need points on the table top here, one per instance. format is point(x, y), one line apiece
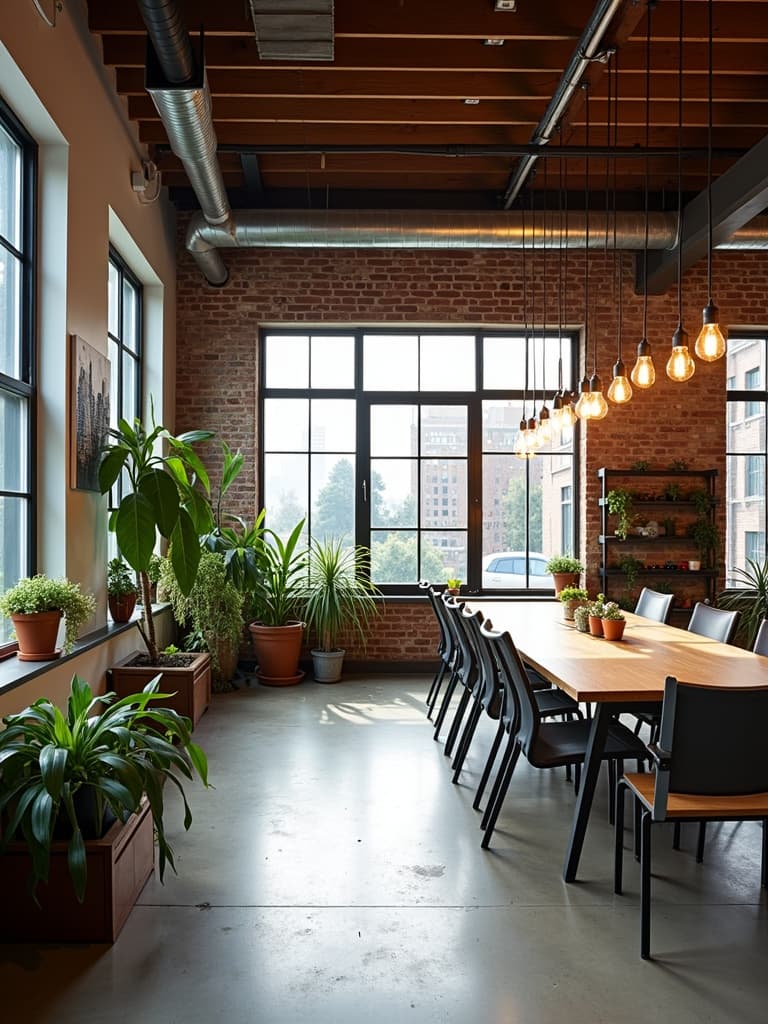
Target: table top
point(632, 669)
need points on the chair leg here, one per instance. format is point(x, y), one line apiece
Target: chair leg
point(453, 732)
point(576, 777)
point(434, 689)
point(488, 765)
point(700, 844)
point(486, 840)
point(676, 836)
point(445, 705)
point(637, 810)
point(505, 759)
point(645, 886)
point(618, 839)
point(466, 739)
point(764, 857)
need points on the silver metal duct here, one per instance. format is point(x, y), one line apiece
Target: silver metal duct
point(407, 229)
point(177, 84)
point(586, 51)
point(293, 29)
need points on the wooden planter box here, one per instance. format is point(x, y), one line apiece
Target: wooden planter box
point(191, 686)
point(118, 868)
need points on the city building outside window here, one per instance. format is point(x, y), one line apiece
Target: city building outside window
point(402, 441)
point(18, 165)
point(754, 546)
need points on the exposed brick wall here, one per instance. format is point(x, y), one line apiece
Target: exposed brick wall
point(217, 362)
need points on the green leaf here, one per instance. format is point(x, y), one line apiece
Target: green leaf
point(185, 551)
point(193, 436)
point(53, 763)
point(77, 864)
point(110, 467)
point(199, 509)
point(233, 464)
point(195, 464)
point(158, 488)
point(135, 528)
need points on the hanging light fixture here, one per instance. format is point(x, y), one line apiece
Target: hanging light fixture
point(680, 365)
point(522, 446)
point(568, 415)
point(710, 344)
point(598, 407)
point(544, 426)
point(643, 372)
point(619, 390)
point(584, 403)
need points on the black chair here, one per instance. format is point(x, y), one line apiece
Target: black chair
point(716, 623)
point(653, 605)
point(446, 648)
point(465, 672)
point(544, 744)
point(760, 645)
point(691, 784)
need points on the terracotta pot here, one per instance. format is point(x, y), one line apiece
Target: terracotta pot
point(37, 635)
point(277, 649)
point(121, 606)
point(565, 579)
point(613, 629)
point(595, 625)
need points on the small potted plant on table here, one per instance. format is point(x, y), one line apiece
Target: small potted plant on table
point(35, 606)
point(572, 598)
point(613, 621)
point(566, 571)
point(595, 609)
point(121, 590)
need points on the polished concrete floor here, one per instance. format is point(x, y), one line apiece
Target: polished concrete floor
point(335, 875)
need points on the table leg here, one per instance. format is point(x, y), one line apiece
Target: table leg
point(595, 746)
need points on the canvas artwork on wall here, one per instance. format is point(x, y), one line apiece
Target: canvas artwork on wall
point(90, 413)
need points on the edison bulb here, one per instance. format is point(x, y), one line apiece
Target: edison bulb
point(544, 428)
point(710, 344)
point(584, 401)
point(619, 390)
point(643, 372)
point(680, 365)
point(598, 404)
point(567, 416)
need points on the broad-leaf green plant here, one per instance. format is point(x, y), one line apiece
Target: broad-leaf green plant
point(750, 597)
point(280, 584)
point(165, 495)
point(120, 750)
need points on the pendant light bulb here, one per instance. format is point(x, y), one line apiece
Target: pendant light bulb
point(643, 372)
point(520, 448)
point(544, 429)
point(599, 406)
point(584, 402)
point(710, 344)
point(680, 365)
point(619, 390)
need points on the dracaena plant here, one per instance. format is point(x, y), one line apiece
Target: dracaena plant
point(119, 750)
point(165, 494)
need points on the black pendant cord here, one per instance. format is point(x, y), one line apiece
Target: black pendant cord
point(647, 166)
point(680, 171)
point(533, 291)
point(525, 309)
point(560, 298)
point(709, 152)
point(616, 255)
point(586, 229)
point(544, 306)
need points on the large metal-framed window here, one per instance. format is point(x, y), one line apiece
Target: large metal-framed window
point(124, 350)
point(18, 186)
point(746, 449)
point(401, 440)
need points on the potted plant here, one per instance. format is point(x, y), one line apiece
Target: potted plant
point(453, 586)
point(750, 597)
point(620, 504)
point(595, 610)
point(165, 497)
point(213, 609)
point(36, 604)
point(95, 774)
point(571, 598)
point(121, 590)
point(581, 618)
point(613, 621)
point(566, 571)
point(338, 597)
point(278, 589)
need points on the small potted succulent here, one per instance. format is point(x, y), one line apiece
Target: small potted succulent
point(613, 621)
point(121, 590)
point(581, 618)
point(35, 605)
point(596, 609)
point(571, 598)
point(453, 586)
point(566, 571)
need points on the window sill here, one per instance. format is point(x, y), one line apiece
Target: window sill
point(14, 673)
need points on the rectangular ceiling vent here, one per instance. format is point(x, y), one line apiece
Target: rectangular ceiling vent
point(293, 29)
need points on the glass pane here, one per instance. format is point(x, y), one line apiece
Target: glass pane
point(393, 492)
point(393, 429)
point(504, 363)
point(10, 189)
point(14, 530)
point(501, 422)
point(444, 556)
point(130, 333)
point(333, 425)
point(745, 433)
point(285, 491)
point(447, 363)
point(394, 557)
point(333, 362)
point(443, 493)
point(287, 362)
point(333, 496)
point(114, 405)
point(443, 430)
point(390, 362)
point(286, 424)
point(505, 511)
point(113, 300)
point(745, 515)
point(130, 387)
point(10, 327)
point(13, 443)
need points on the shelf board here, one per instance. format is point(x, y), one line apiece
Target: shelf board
point(603, 538)
point(705, 573)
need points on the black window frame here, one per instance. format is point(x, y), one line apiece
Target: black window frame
point(124, 273)
point(25, 386)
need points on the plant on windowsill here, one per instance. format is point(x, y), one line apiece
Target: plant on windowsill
point(565, 570)
point(36, 605)
point(750, 597)
point(453, 586)
point(72, 777)
point(571, 598)
point(620, 504)
point(121, 590)
point(613, 621)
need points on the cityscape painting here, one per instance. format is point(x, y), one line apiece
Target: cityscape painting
point(90, 413)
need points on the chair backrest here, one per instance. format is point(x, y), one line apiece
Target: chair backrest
point(467, 664)
point(488, 689)
point(445, 643)
point(715, 738)
point(760, 645)
point(521, 713)
point(716, 623)
point(653, 605)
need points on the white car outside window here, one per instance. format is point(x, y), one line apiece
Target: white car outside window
point(505, 570)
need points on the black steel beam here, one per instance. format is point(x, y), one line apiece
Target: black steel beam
point(252, 174)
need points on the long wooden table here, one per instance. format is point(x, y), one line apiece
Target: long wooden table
point(622, 676)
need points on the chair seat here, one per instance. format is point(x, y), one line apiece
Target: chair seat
point(561, 743)
point(555, 702)
point(691, 805)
